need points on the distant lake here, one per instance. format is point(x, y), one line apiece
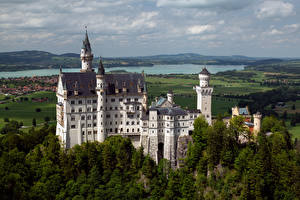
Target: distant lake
point(156, 69)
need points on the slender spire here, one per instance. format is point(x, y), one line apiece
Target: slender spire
point(60, 70)
point(86, 43)
point(101, 70)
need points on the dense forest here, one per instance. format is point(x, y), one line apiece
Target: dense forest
point(34, 166)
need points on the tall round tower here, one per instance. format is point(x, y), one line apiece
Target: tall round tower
point(100, 88)
point(204, 77)
point(204, 93)
point(257, 123)
point(86, 55)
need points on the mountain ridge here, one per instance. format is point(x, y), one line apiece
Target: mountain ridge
point(34, 59)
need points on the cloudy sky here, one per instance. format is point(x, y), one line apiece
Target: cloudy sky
point(150, 27)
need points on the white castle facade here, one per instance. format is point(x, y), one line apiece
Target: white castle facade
point(92, 106)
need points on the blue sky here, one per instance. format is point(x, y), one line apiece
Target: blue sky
point(150, 27)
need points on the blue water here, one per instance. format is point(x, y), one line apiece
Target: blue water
point(156, 69)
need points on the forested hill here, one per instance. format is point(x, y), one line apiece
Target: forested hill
point(34, 166)
point(24, 60)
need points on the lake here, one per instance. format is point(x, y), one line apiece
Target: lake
point(156, 69)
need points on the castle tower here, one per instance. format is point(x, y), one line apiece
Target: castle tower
point(100, 88)
point(86, 55)
point(204, 93)
point(145, 97)
point(257, 123)
point(170, 96)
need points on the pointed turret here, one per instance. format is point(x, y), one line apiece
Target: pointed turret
point(86, 43)
point(101, 70)
point(86, 55)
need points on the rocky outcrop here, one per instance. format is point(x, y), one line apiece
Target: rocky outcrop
point(182, 148)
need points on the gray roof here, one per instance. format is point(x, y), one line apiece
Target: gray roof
point(85, 83)
point(131, 81)
point(204, 71)
point(174, 111)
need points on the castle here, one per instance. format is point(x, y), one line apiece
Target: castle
point(94, 105)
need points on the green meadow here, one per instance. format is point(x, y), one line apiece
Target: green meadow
point(25, 111)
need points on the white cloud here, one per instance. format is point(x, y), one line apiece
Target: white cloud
point(269, 9)
point(198, 29)
point(214, 4)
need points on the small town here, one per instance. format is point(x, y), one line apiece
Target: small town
point(25, 85)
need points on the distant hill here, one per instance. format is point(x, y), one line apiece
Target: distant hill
point(25, 60)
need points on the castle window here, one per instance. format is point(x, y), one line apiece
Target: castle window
point(138, 107)
point(138, 130)
point(116, 116)
point(73, 102)
point(127, 107)
point(107, 116)
point(136, 99)
point(73, 126)
point(116, 130)
point(94, 109)
point(112, 100)
point(116, 108)
point(120, 99)
point(89, 101)
point(127, 123)
point(89, 117)
point(121, 122)
point(132, 123)
point(95, 132)
point(121, 116)
point(94, 116)
point(82, 125)
point(121, 108)
point(95, 124)
point(82, 117)
point(95, 101)
point(133, 130)
point(121, 129)
point(110, 108)
point(138, 123)
point(116, 123)
point(83, 132)
point(80, 110)
point(89, 125)
point(89, 132)
point(105, 100)
point(79, 102)
point(72, 110)
point(127, 130)
point(137, 115)
point(72, 118)
point(101, 108)
point(110, 123)
point(128, 100)
point(89, 109)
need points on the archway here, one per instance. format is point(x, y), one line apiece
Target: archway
point(160, 153)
